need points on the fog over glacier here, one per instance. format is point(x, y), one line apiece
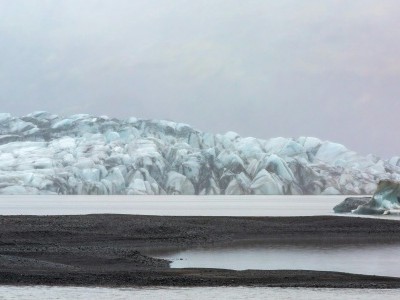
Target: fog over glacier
point(262, 68)
point(42, 153)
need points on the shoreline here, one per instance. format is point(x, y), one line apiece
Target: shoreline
point(109, 250)
point(205, 278)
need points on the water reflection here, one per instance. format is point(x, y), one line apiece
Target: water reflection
point(360, 258)
point(222, 205)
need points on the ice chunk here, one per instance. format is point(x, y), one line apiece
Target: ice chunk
point(91, 174)
point(230, 161)
point(137, 187)
point(275, 145)
point(249, 148)
point(293, 149)
point(278, 166)
point(112, 136)
point(240, 185)
point(5, 117)
point(333, 152)
point(395, 161)
point(385, 199)
point(62, 124)
point(266, 184)
point(178, 184)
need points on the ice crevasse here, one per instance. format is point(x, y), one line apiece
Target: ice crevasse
point(43, 153)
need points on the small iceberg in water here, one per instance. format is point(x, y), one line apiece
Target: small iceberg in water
point(386, 200)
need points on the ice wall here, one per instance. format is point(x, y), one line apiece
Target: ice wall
point(42, 153)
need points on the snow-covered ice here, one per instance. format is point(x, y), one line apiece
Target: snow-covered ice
point(42, 153)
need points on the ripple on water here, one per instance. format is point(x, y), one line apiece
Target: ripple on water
point(77, 293)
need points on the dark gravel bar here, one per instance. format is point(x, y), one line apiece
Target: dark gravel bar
point(110, 250)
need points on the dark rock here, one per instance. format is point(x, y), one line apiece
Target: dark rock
point(350, 204)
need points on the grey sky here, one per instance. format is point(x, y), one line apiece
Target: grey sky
point(262, 68)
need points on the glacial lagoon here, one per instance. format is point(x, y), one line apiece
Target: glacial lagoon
point(169, 205)
point(382, 260)
point(229, 293)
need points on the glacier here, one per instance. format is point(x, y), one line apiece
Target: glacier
point(43, 153)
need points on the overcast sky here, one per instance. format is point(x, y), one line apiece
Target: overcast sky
point(262, 68)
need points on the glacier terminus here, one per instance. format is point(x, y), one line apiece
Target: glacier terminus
point(43, 153)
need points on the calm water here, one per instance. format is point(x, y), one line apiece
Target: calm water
point(171, 205)
point(78, 293)
point(353, 258)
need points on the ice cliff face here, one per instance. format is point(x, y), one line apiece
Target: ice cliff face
point(42, 153)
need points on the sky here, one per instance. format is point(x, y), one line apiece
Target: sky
point(261, 68)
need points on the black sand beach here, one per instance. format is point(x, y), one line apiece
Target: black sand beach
point(109, 250)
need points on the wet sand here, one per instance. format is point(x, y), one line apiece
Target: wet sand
point(110, 250)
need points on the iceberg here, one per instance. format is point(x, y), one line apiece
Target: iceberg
point(386, 200)
point(43, 153)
